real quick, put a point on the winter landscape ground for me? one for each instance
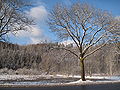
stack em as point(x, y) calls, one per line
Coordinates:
point(53, 80)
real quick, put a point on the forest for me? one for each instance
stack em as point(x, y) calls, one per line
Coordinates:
point(48, 58)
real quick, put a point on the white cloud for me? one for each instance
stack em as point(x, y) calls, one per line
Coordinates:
point(22, 34)
point(36, 33)
point(39, 13)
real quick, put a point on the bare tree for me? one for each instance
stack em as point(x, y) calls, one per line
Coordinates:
point(12, 17)
point(85, 25)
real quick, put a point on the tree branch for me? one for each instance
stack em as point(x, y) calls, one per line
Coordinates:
point(66, 50)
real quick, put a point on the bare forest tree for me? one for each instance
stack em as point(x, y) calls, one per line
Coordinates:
point(86, 26)
point(12, 17)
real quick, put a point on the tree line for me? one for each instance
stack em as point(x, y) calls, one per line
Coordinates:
point(59, 61)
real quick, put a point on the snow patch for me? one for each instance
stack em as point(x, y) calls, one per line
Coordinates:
point(79, 81)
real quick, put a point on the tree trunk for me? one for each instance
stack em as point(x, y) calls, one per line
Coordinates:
point(82, 69)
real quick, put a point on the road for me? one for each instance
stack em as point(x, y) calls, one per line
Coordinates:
point(82, 87)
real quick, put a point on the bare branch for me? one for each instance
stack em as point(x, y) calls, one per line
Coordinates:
point(66, 50)
point(12, 17)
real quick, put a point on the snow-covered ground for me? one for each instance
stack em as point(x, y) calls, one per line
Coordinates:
point(37, 79)
point(34, 77)
point(24, 77)
point(112, 78)
point(96, 80)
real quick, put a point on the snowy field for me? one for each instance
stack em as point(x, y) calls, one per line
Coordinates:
point(35, 77)
point(54, 80)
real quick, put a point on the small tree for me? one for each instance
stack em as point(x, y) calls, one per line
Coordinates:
point(12, 17)
point(85, 25)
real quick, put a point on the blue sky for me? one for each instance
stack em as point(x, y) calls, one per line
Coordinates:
point(40, 32)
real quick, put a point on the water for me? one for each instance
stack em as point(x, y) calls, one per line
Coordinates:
point(82, 87)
